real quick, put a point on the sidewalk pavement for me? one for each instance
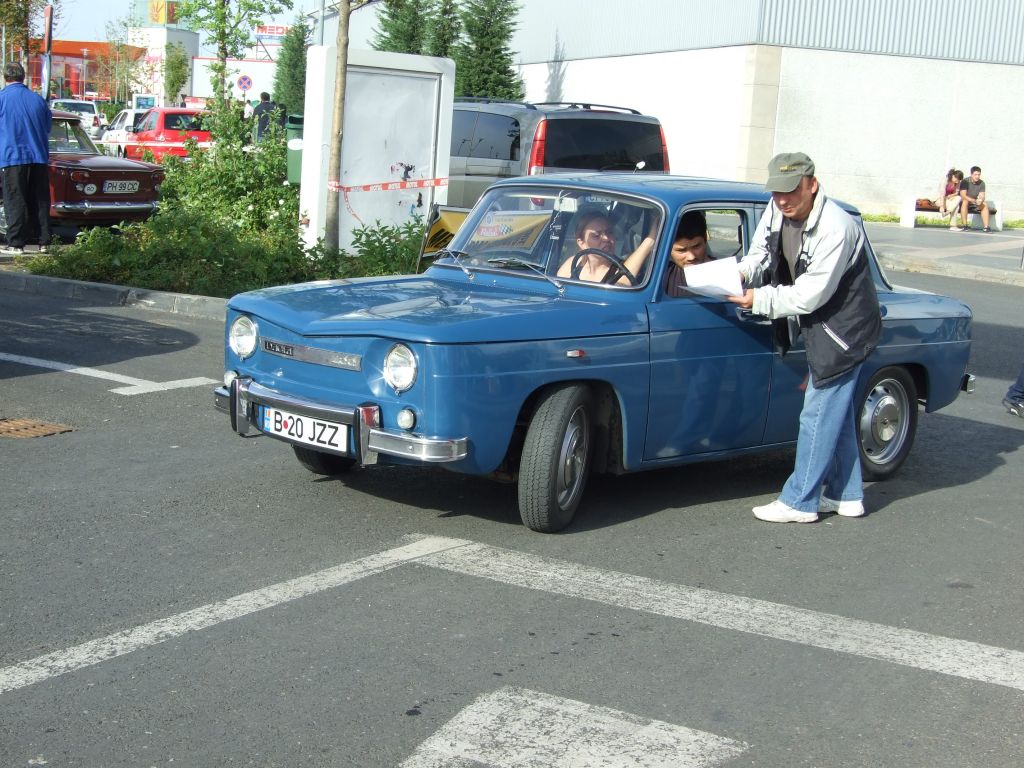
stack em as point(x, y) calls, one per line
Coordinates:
point(996, 257)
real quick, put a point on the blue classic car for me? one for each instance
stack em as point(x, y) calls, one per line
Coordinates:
point(490, 363)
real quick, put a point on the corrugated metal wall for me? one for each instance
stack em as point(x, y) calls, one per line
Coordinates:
point(989, 31)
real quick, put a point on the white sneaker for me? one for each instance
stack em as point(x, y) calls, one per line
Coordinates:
point(777, 512)
point(853, 508)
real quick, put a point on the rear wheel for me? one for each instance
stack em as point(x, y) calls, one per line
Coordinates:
point(320, 463)
point(887, 422)
point(556, 459)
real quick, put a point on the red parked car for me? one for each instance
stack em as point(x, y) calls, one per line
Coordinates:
point(164, 130)
point(89, 188)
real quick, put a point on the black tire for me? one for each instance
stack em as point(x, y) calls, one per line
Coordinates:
point(320, 463)
point(886, 422)
point(556, 458)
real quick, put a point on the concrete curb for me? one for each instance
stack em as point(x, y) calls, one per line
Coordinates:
point(104, 294)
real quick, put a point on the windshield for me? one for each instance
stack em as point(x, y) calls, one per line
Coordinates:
point(67, 137)
point(562, 233)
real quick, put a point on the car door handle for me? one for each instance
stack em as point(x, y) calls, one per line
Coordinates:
point(747, 316)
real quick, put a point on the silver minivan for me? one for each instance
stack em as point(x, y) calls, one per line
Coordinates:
point(93, 119)
point(493, 140)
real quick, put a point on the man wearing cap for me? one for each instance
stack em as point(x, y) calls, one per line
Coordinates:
point(806, 264)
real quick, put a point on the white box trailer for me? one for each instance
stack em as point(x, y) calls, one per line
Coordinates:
point(395, 145)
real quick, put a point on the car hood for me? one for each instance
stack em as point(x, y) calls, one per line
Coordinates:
point(99, 163)
point(421, 308)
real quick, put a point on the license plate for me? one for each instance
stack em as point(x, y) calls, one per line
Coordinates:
point(119, 187)
point(304, 429)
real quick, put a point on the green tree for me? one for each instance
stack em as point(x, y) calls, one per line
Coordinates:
point(120, 69)
point(444, 29)
point(402, 24)
point(23, 20)
point(484, 60)
point(176, 68)
point(290, 73)
point(227, 24)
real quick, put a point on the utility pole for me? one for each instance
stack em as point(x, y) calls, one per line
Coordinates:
point(85, 69)
point(333, 221)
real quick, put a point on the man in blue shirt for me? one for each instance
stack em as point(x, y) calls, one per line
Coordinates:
point(24, 151)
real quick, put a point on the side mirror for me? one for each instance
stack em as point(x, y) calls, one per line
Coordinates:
point(129, 129)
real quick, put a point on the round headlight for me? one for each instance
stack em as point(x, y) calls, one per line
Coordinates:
point(243, 336)
point(400, 367)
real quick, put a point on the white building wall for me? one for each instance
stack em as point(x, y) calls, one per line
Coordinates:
point(697, 95)
point(259, 71)
point(880, 128)
point(884, 128)
point(155, 40)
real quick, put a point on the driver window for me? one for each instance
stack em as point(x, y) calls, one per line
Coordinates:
point(699, 236)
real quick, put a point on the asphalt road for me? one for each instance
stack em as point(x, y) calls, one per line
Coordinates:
point(172, 593)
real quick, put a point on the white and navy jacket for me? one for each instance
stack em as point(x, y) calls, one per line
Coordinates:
point(832, 293)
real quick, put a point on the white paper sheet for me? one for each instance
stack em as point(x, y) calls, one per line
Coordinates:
point(718, 278)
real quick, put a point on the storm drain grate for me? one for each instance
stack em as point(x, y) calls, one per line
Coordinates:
point(31, 428)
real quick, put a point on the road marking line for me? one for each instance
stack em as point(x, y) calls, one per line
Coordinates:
point(136, 386)
point(948, 656)
point(515, 727)
point(121, 643)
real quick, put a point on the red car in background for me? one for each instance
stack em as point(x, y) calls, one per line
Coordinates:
point(89, 188)
point(164, 130)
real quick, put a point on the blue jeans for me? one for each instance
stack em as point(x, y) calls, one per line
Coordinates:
point(1016, 390)
point(827, 454)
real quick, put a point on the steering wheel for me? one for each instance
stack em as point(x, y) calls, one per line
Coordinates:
point(616, 267)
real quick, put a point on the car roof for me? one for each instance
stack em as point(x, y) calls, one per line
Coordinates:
point(178, 110)
point(66, 115)
point(554, 109)
point(672, 190)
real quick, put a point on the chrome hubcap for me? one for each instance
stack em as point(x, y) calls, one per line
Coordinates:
point(572, 458)
point(883, 421)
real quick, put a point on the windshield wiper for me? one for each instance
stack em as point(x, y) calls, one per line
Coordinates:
point(456, 256)
point(511, 261)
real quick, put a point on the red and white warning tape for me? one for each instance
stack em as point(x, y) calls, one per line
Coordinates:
point(385, 186)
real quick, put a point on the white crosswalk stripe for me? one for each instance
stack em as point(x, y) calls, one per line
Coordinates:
point(519, 728)
point(959, 658)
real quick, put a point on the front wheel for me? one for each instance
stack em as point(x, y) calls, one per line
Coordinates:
point(887, 422)
point(320, 463)
point(556, 458)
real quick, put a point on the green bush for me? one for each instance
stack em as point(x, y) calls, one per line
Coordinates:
point(228, 222)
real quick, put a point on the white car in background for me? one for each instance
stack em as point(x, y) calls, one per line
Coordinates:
point(116, 135)
point(93, 119)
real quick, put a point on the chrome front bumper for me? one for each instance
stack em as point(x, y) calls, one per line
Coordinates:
point(239, 399)
point(89, 208)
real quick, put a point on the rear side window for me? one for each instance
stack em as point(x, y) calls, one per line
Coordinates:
point(485, 135)
point(603, 145)
point(178, 122)
point(463, 125)
point(75, 106)
point(496, 137)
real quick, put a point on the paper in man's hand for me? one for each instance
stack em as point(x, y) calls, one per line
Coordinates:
point(718, 277)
